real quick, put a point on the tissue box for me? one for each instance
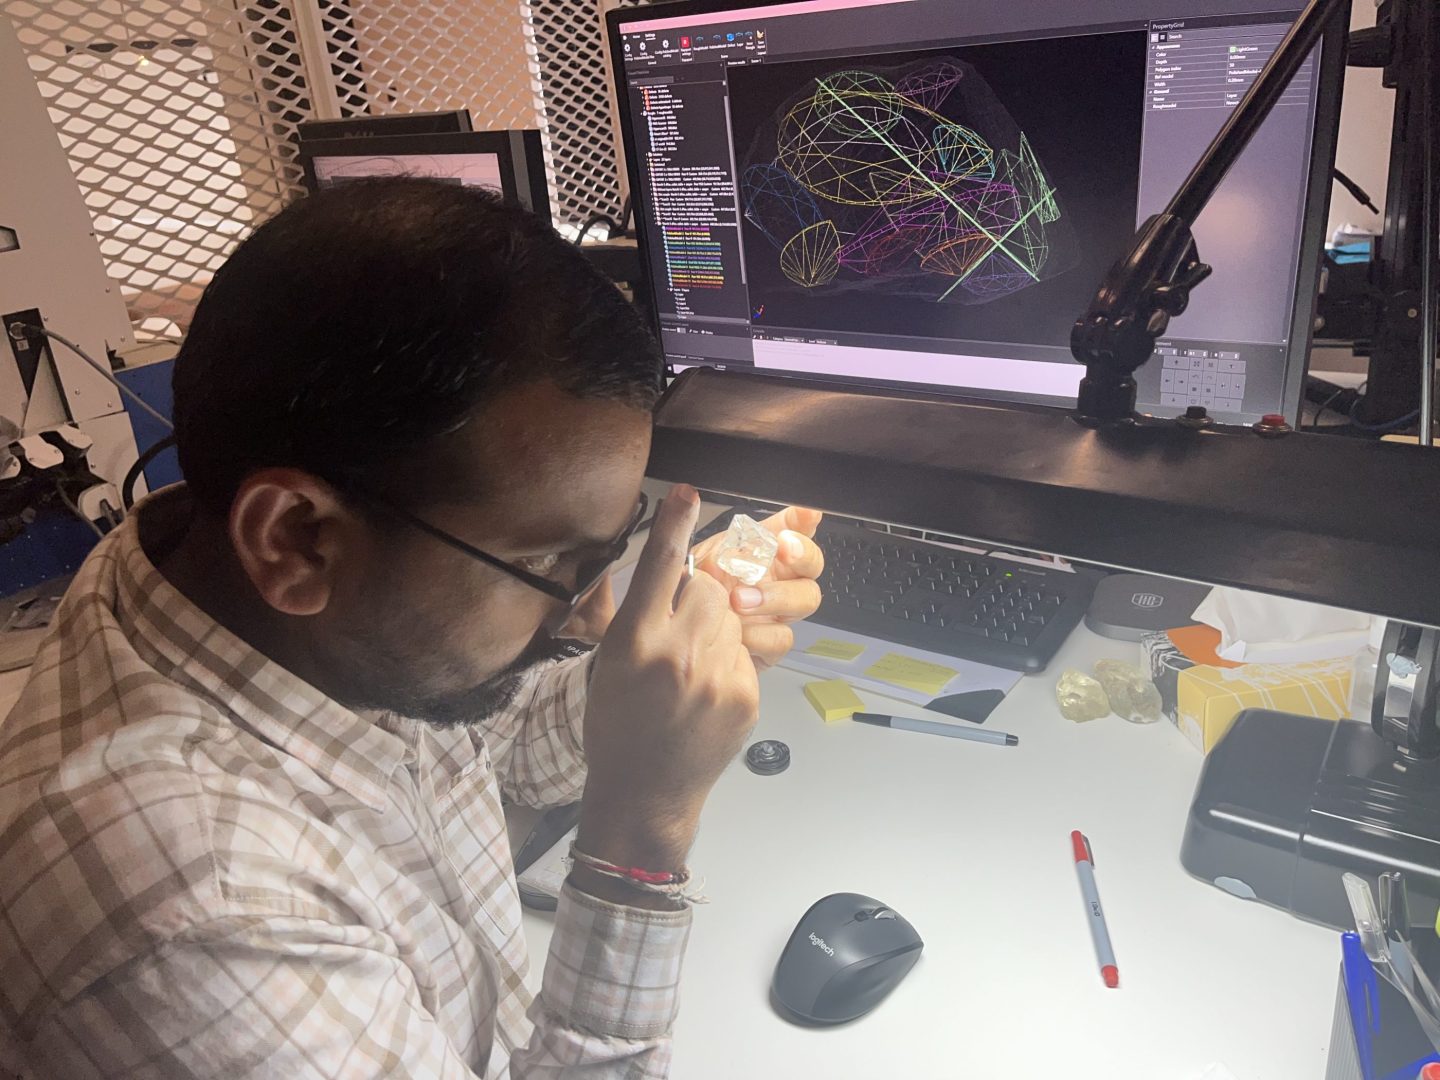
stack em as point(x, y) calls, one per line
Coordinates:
point(1209, 698)
point(1166, 653)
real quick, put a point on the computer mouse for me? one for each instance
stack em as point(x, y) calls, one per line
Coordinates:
point(847, 952)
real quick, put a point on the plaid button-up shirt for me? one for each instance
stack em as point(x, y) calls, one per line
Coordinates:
point(209, 868)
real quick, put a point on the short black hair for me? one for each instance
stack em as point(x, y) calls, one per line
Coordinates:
point(365, 321)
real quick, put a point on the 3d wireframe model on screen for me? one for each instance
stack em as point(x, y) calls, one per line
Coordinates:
point(912, 180)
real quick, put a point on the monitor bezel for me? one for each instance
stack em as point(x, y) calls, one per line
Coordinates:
point(522, 160)
point(368, 127)
point(1313, 219)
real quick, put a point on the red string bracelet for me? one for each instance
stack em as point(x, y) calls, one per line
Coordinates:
point(669, 883)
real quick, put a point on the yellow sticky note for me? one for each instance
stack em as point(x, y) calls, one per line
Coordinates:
point(911, 672)
point(833, 699)
point(835, 650)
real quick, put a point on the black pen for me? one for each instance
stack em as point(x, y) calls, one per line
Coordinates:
point(930, 727)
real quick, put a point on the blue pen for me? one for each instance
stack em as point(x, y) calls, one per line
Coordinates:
point(1362, 991)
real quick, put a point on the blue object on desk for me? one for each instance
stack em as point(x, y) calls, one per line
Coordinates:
point(1362, 992)
point(1354, 252)
point(1386, 1035)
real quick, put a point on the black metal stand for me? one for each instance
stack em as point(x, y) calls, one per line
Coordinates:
point(1151, 283)
point(1404, 44)
point(1407, 689)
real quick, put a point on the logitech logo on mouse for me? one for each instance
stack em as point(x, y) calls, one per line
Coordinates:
point(819, 943)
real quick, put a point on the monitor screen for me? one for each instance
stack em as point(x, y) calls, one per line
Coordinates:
point(471, 170)
point(927, 192)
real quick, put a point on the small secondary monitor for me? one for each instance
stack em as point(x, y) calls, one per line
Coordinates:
point(363, 127)
point(927, 193)
point(510, 162)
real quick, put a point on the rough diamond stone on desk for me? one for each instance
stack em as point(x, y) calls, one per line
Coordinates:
point(1130, 691)
point(1081, 698)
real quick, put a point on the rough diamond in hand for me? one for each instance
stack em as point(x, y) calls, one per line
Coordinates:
point(746, 550)
point(1130, 691)
point(1081, 698)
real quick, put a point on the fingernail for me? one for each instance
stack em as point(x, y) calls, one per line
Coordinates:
point(685, 495)
point(794, 546)
point(748, 597)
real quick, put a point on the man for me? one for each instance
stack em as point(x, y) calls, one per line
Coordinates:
point(250, 801)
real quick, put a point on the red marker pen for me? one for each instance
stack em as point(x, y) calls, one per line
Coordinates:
point(1094, 914)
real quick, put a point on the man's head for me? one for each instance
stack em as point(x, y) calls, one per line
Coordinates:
point(415, 344)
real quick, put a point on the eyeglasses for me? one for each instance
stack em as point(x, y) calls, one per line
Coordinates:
point(588, 574)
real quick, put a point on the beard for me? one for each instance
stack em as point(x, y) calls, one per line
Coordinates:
point(382, 677)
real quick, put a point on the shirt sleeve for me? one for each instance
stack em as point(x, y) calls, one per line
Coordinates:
point(610, 992)
point(254, 997)
point(282, 996)
point(535, 742)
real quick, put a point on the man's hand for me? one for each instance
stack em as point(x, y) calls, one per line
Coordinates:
point(788, 593)
point(672, 695)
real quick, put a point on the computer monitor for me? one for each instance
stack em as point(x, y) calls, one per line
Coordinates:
point(926, 193)
point(511, 162)
point(363, 127)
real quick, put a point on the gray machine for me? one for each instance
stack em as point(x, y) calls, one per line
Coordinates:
point(64, 433)
point(1286, 804)
point(1129, 606)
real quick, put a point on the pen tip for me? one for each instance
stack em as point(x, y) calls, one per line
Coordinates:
point(1012, 740)
point(1111, 974)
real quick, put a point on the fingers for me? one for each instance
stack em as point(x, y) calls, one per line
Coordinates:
point(785, 600)
point(747, 679)
point(662, 562)
point(798, 557)
point(796, 519)
point(767, 643)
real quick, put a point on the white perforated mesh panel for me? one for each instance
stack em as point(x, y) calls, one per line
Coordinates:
point(391, 56)
point(175, 117)
point(179, 116)
point(569, 37)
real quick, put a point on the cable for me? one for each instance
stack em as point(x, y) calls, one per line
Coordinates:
point(60, 490)
point(102, 369)
point(591, 222)
point(154, 339)
point(1361, 196)
point(1315, 423)
point(127, 488)
point(1389, 425)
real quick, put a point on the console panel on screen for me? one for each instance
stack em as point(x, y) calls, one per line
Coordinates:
point(927, 192)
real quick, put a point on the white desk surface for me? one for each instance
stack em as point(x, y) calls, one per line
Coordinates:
point(971, 843)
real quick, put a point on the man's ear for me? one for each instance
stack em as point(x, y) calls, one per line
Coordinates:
point(289, 530)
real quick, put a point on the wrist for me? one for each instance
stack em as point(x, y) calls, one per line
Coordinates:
point(629, 836)
point(614, 891)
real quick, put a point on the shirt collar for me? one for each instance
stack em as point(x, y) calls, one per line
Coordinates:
point(187, 646)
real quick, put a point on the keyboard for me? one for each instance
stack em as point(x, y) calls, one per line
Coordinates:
point(974, 607)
